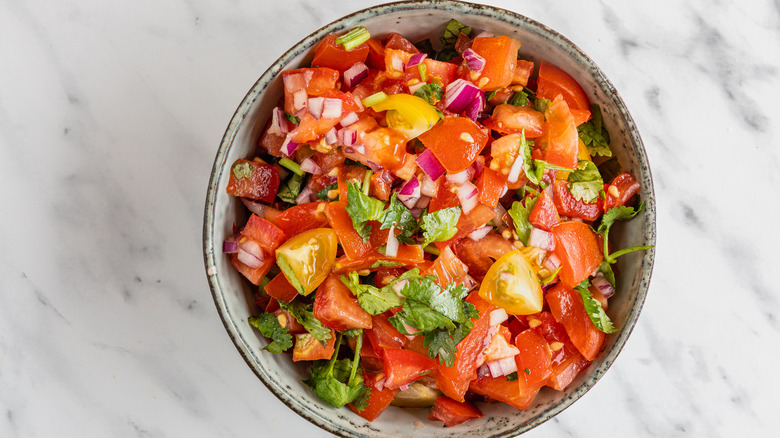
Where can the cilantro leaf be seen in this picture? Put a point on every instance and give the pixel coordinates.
(606, 270)
(291, 189)
(431, 93)
(305, 317)
(622, 213)
(586, 183)
(337, 381)
(269, 326)
(289, 273)
(323, 194)
(524, 149)
(594, 135)
(292, 118)
(452, 30)
(513, 376)
(519, 214)
(440, 225)
(443, 344)
(594, 310)
(361, 209)
(371, 298)
(398, 216)
(242, 170)
(541, 104)
(520, 98)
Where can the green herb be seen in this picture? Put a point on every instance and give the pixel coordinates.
(586, 183)
(354, 38)
(323, 194)
(361, 209)
(431, 93)
(243, 170)
(426, 47)
(305, 317)
(431, 249)
(374, 99)
(423, 70)
(551, 277)
(291, 189)
(490, 95)
(520, 98)
(443, 344)
(519, 214)
(440, 225)
(527, 371)
(594, 310)
(541, 104)
(606, 270)
(269, 326)
(366, 185)
(292, 118)
(371, 298)
(524, 149)
(398, 216)
(594, 135)
(284, 265)
(512, 377)
(450, 37)
(622, 213)
(291, 165)
(337, 381)
(385, 264)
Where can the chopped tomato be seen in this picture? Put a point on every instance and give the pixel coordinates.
(511, 119)
(315, 81)
(523, 70)
(568, 309)
(456, 142)
(281, 289)
(480, 255)
(383, 335)
(553, 81)
(515, 393)
(578, 249)
(385, 276)
(253, 275)
(397, 42)
(286, 320)
(500, 55)
(350, 240)
(512, 284)
(448, 268)
(307, 347)
(337, 308)
(491, 185)
(385, 147)
(534, 364)
(311, 128)
(445, 71)
(378, 401)
(380, 184)
(304, 217)
(268, 235)
(395, 61)
(477, 218)
(451, 412)
(445, 197)
(561, 140)
(308, 258)
(543, 214)
(376, 54)
(567, 205)
(261, 184)
(567, 362)
(407, 255)
(620, 191)
(403, 367)
(332, 55)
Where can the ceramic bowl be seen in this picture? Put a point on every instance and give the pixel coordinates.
(418, 20)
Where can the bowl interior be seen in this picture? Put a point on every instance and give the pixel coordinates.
(416, 21)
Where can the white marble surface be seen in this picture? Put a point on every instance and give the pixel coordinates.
(110, 116)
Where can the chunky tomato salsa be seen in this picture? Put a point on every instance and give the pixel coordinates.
(430, 228)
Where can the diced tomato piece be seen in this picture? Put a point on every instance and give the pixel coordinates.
(445, 197)
(395, 61)
(386, 147)
(304, 217)
(454, 381)
(448, 268)
(383, 335)
(553, 81)
(523, 70)
(534, 362)
(384, 276)
(543, 214)
(620, 191)
(580, 116)
(332, 55)
(337, 308)
(568, 309)
(407, 255)
(403, 367)
(478, 217)
(480, 255)
(567, 362)
(286, 320)
(376, 54)
(263, 232)
(254, 275)
(567, 205)
(315, 81)
(500, 55)
(307, 347)
(378, 401)
(396, 41)
(456, 142)
(380, 184)
(578, 249)
(261, 185)
(446, 71)
(491, 185)
(515, 393)
(451, 412)
(561, 140)
(350, 240)
(310, 128)
(281, 289)
(511, 119)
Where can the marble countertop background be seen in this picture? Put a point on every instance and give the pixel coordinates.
(110, 117)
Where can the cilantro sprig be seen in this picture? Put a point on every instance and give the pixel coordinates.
(362, 208)
(594, 310)
(337, 381)
(440, 225)
(586, 183)
(622, 213)
(594, 135)
(520, 214)
(371, 298)
(269, 327)
(305, 316)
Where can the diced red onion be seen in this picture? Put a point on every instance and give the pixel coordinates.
(428, 186)
(250, 254)
(517, 167)
(479, 166)
(475, 62)
(479, 233)
(376, 168)
(349, 119)
(551, 263)
(502, 367)
(278, 122)
(255, 207)
(332, 108)
(315, 105)
(355, 74)
(409, 192)
(289, 146)
(461, 177)
(601, 283)
(467, 194)
(230, 247)
(331, 137)
(404, 387)
(498, 316)
(347, 137)
(484, 34)
(459, 95)
(549, 286)
(541, 239)
(416, 212)
(474, 109)
(415, 59)
(423, 201)
(504, 190)
(380, 384)
(430, 165)
(413, 88)
(481, 372)
(391, 250)
(299, 100)
(305, 196)
(309, 166)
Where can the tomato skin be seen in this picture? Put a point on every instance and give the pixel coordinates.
(480, 255)
(337, 308)
(316, 81)
(544, 215)
(454, 381)
(255, 276)
(332, 55)
(514, 394)
(567, 205)
(500, 55)
(261, 185)
(535, 356)
(568, 309)
(350, 240)
(490, 184)
(404, 366)
(281, 289)
(307, 347)
(451, 412)
(378, 401)
(553, 81)
(511, 119)
(382, 335)
(448, 268)
(456, 142)
(560, 140)
(303, 217)
(567, 362)
(625, 186)
(579, 250)
(380, 184)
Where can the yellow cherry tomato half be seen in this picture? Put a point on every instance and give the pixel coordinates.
(408, 114)
(307, 259)
(512, 284)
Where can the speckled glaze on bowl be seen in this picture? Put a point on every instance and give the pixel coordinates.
(417, 20)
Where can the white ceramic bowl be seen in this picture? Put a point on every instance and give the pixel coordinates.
(418, 20)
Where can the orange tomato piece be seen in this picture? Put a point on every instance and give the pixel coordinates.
(451, 412)
(578, 249)
(307, 347)
(332, 55)
(553, 81)
(561, 140)
(568, 309)
(500, 55)
(456, 142)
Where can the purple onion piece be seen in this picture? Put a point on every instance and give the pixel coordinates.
(415, 59)
(430, 165)
(474, 61)
(355, 74)
(230, 247)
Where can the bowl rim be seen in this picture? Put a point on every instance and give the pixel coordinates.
(263, 82)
